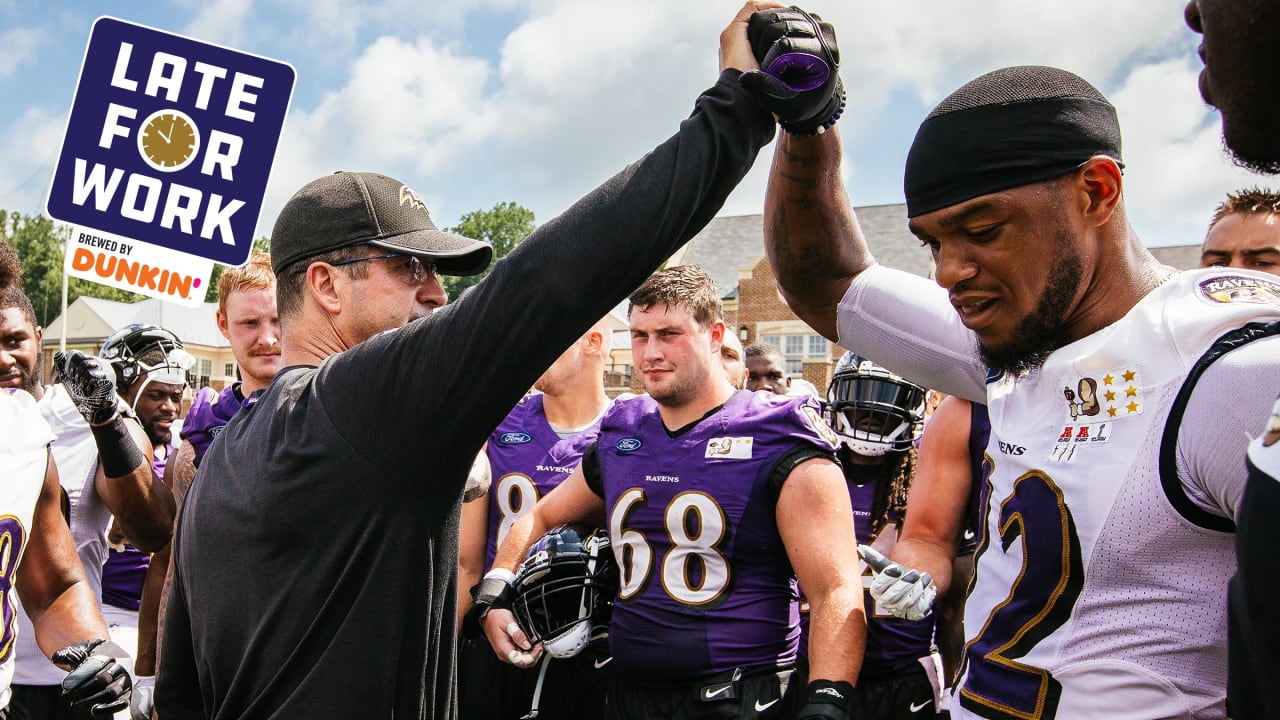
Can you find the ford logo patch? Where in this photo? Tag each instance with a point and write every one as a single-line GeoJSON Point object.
{"type": "Point", "coordinates": [514, 438]}
{"type": "Point", "coordinates": [627, 445]}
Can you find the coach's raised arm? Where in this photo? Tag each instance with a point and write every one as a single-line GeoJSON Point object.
{"type": "Point", "coordinates": [315, 562]}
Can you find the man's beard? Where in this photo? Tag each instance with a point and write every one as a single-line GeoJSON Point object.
{"type": "Point", "coordinates": [1040, 333]}
{"type": "Point", "coordinates": [158, 437]}
{"type": "Point", "coordinates": [1249, 137]}
{"type": "Point", "coordinates": [1253, 163]}
{"type": "Point", "coordinates": [31, 383]}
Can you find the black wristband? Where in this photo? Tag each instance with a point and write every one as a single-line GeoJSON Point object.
{"type": "Point", "coordinates": [826, 699]}
{"type": "Point", "coordinates": [117, 451]}
{"type": "Point", "coordinates": [492, 592]}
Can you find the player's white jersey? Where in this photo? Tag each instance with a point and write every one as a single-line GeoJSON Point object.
{"type": "Point", "coordinates": [76, 453]}
{"type": "Point", "coordinates": [1093, 596]}
{"type": "Point", "coordinates": [24, 441]}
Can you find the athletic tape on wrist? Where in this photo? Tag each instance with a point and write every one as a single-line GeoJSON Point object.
{"type": "Point", "coordinates": [493, 592]}
{"type": "Point", "coordinates": [117, 451]}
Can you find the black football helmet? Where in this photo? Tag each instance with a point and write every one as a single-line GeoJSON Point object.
{"type": "Point", "coordinates": [873, 410]}
{"type": "Point", "coordinates": [565, 588]}
{"type": "Point", "coordinates": [125, 348]}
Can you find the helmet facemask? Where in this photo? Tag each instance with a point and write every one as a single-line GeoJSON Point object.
{"type": "Point", "coordinates": [874, 411]}
{"type": "Point", "coordinates": [126, 348]}
{"type": "Point", "coordinates": [565, 589]}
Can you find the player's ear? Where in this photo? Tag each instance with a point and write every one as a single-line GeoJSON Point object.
{"type": "Point", "coordinates": [322, 283]}
{"type": "Point", "coordinates": [717, 335]}
{"type": "Point", "coordinates": [1099, 182]}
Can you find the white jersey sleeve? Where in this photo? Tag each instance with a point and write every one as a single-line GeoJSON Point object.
{"type": "Point", "coordinates": [1220, 419]}
{"type": "Point", "coordinates": [907, 324]}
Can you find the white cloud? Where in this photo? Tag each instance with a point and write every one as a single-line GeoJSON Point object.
{"type": "Point", "coordinates": [221, 21]}
{"type": "Point", "coordinates": [1177, 168]}
{"type": "Point", "coordinates": [28, 150]}
{"type": "Point", "coordinates": [547, 98]}
{"type": "Point", "coordinates": [20, 45]}
{"type": "Point", "coordinates": [406, 109]}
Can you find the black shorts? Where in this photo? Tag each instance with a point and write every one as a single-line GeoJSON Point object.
{"type": "Point", "coordinates": [757, 694]}
{"type": "Point", "coordinates": [39, 702]}
{"type": "Point", "coordinates": [489, 689]}
{"type": "Point", "coordinates": [903, 695]}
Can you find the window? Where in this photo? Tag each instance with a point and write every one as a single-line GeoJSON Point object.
{"type": "Point", "coordinates": [206, 369]}
{"type": "Point", "coordinates": [798, 348]}
{"type": "Point", "coordinates": [818, 347]}
{"type": "Point", "coordinates": [229, 370]}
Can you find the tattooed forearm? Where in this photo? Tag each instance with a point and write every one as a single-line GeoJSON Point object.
{"type": "Point", "coordinates": [811, 235]}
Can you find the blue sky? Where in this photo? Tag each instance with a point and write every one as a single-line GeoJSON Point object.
{"type": "Point", "coordinates": [476, 102]}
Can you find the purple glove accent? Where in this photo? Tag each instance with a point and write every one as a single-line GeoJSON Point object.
{"type": "Point", "coordinates": [799, 71]}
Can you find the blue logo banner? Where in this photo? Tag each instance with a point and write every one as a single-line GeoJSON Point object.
{"type": "Point", "coordinates": [170, 141]}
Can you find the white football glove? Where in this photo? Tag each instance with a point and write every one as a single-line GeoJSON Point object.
{"type": "Point", "coordinates": [907, 594]}
{"type": "Point", "coordinates": [143, 699]}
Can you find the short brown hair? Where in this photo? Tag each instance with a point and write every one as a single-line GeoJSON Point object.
{"type": "Point", "coordinates": [253, 275]}
{"type": "Point", "coordinates": [290, 279]}
{"type": "Point", "coordinates": [1252, 200]}
{"type": "Point", "coordinates": [685, 286]}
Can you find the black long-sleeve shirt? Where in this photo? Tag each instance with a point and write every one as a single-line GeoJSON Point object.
{"type": "Point", "coordinates": [315, 560]}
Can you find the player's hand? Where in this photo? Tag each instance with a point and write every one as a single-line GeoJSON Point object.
{"type": "Point", "coordinates": [907, 594]}
{"type": "Point", "coordinates": [90, 383]}
{"type": "Point", "coordinates": [508, 641]}
{"type": "Point", "coordinates": [143, 700]}
{"type": "Point", "coordinates": [97, 684]}
{"type": "Point", "coordinates": [826, 700]}
{"type": "Point", "coordinates": [799, 61]}
{"type": "Point", "coordinates": [735, 47]}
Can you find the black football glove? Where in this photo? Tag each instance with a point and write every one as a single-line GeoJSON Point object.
{"type": "Point", "coordinates": [827, 700]}
{"type": "Point", "coordinates": [97, 684]}
{"type": "Point", "coordinates": [90, 383]}
{"type": "Point", "coordinates": [799, 61]}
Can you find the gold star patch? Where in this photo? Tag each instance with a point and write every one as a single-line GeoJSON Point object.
{"type": "Point", "coordinates": [1124, 396]}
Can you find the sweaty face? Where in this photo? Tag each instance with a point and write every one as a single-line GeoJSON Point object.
{"type": "Point", "coordinates": [1010, 263]}
{"type": "Point", "coordinates": [731, 357]}
{"type": "Point", "coordinates": [157, 405]}
{"type": "Point", "coordinates": [1249, 241]}
{"type": "Point", "coordinates": [252, 326]}
{"type": "Point", "coordinates": [673, 352]}
{"type": "Point", "coordinates": [19, 352]}
{"type": "Point", "coordinates": [1241, 77]}
{"type": "Point", "coordinates": [767, 372]}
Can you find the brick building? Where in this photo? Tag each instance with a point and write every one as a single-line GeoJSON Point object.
{"type": "Point", "coordinates": [731, 251]}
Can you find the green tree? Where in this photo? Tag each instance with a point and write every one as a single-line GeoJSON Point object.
{"type": "Point", "coordinates": [503, 227]}
{"type": "Point", "coordinates": [40, 244]}
{"type": "Point", "coordinates": [262, 244]}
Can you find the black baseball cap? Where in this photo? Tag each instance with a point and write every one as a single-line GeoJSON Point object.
{"type": "Point", "coordinates": [355, 208]}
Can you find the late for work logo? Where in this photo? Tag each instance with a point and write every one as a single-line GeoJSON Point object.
{"type": "Point", "coordinates": [165, 161]}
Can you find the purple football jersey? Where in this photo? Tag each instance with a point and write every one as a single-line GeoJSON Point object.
{"type": "Point", "coordinates": [124, 571]}
{"type": "Point", "coordinates": [892, 644]}
{"type": "Point", "coordinates": [204, 422]}
{"type": "Point", "coordinates": [704, 576]}
{"type": "Point", "coordinates": [527, 459]}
